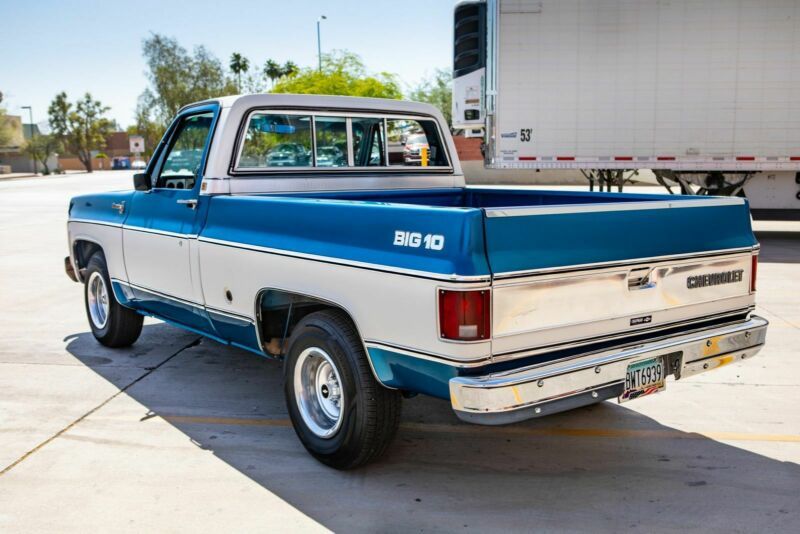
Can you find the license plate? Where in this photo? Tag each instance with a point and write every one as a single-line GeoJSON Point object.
{"type": "Point", "coordinates": [644, 377]}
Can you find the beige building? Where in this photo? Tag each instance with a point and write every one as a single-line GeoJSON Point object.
{"type": "Point", "coordinates": [12, 157]}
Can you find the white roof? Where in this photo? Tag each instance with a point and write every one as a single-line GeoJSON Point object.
{"type": "Point", "coordinates": [236, 102]}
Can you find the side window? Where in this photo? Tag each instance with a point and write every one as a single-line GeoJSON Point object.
{"type": "Point", "coordinates": [182, 164]}
{"type": "Point", "coordinates": [414, 143]}
{"type": "Point", "coordinates": [277, 140]}
{"type": "Point", "coordinates": [331, 141]}
{"type": "Point", "coordinates": [368, 142]}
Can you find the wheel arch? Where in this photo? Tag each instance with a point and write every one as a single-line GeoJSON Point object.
{"type": "Point", "coordinates": [83, 249]}
{"type": "Point", "coordinates": [278, 311]}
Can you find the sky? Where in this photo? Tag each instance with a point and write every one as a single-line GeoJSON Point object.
{"type": "Point", "coordinates": [89, 45]}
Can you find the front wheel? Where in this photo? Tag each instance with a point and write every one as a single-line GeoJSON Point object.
{"type": "Point", "coordinates": [341, 414]}
{"type": "Point", "coordinates": [112, 324]}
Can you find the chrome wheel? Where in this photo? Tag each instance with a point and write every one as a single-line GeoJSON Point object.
{"type": "Point", "coordinates": [318, 392]}
{"type": "Point", "coordinates": [97, 298]}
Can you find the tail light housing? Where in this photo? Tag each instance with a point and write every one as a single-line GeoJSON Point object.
{"type": "Point", "coordinates": [753, 273]}
{"type": "Point", "coordinates": [465, 315]}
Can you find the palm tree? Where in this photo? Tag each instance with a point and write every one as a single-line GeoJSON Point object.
{"type": "Point", "coordinates": [289, 69]}
{"type": "Point", "coordinates": [272, 71]}
{"type": "Point", "coordinates": [238, 65]}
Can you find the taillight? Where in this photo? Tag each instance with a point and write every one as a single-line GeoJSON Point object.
{"type": "Point", "coordinates": [464, 315]}
{"type": "Point", "coordinates": [753, 272]}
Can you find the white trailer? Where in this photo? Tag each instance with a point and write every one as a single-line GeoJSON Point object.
{"type": "Point", "coordinates": [705, 93]}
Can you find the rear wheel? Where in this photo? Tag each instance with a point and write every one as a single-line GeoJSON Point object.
{"type": "Point", "coordinates": [341, 414]}
{"type": "Point", "coordinates": [112, 324]}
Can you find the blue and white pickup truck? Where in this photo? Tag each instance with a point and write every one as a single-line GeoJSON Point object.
{"type": "Point", "coordinates": [337, 234]}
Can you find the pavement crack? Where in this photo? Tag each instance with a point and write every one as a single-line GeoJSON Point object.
{"type": "Point", "coordinates": [148, 372]}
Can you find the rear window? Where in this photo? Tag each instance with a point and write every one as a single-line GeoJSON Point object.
{"type": "Point", "coordinates": [276, 140]}
{"type": "Point", "coordinates": [291, 140]}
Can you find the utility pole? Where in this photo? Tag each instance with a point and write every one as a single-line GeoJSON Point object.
{"type": "Point", "coordinates": [319, 42]}
{"type": "Point", "coordinates": [33, 134]}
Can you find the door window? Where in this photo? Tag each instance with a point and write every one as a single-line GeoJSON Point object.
{"type": "Point", "coordinates": [182, 164]}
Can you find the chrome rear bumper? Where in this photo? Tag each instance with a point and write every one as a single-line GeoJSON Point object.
{"type": "Point", "coordinates": [553, 387]}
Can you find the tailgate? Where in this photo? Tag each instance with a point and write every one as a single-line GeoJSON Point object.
{"type": "Point", "coordinates": [522, 239]}
{"type": "Point", "coordinates": [575, 273]}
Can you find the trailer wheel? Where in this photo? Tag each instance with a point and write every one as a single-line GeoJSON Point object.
{"type": "Point", "coordinates": [112, 324]}
{"type": "Point", "coordinates": [341, 414]}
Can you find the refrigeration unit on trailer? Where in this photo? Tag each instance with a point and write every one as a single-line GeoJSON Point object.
{"type": "Point", "coordinates": [706, 94]}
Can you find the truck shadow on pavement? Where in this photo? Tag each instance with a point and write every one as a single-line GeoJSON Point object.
{"type": "Point", "coordinates": [779, 247]}
{"type": "Point", "coordinates": [601, 468]}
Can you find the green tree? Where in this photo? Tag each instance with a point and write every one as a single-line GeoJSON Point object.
{"type": "Point", "coordinates": [81, 128]}
{"type": "Point", "coordinates": [150, 129]}
{"type": "Point", "coordinates": [436, 90]}
{"type": "Point", "coordinates": [343, 73]}
{"type": "Point", "coordinates": [5, 130]}
{"type": "Point", "coordinates": [41, 147]}
{"type": "Point", "coordinates": [178, 78]}
{"type": "Point", "coordinates": [272, 70]}
{"type": "Point", "coordinates": [289, 69]}
{"type": "Point", "coordinates": [238, 65]}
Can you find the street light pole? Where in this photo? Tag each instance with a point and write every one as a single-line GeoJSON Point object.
{"type": "Point", "coordinates": [33, 153]}
{"type": "Point", "coordinates": [319, 42]}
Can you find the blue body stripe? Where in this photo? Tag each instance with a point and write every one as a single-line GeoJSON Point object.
{"type": "Point", "coordinates": [408, 373]}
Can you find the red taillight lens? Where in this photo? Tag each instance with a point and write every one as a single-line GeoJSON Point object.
{"type": "Point", "coordinates": [753, 272]}
{"type": "Point", "coordinates": [464, 315]}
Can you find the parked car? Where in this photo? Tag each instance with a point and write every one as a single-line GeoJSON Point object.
{"type": "Point", "coordinates": [412, 151]}
{"type": "Point", "coordinates": [388, 281]}
{"type": "Point", "coordinates": [288, 155]}
{"type": "Point", "coordinates": [138, 164]}
{"type": "Point", "coordinates": [120, 163]}
{"type": "Point", "coordinates": [330, 156]}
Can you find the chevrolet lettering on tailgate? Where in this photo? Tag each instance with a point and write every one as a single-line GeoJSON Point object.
{"type": "Point", "coordinates": [715, 279]}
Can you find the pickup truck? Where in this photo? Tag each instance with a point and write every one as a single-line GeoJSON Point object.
{"type": "Point", "coordinates": [297, 227]}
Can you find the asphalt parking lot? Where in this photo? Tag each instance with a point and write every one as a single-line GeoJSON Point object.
{"type": "Point", "coordinates": [181, 433]}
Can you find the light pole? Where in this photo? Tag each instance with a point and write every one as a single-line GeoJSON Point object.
{"type": "Point", "coordinates": [319, 43]}
{"type": "Point", "coordinates": [33, 153]}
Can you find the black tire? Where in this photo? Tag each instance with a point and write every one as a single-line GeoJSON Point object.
{"type": "Point", "coordinates": [370, 414]}
{"type": "Point", "coordinates": [122, 325]}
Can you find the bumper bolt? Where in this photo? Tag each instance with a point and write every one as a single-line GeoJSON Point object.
{"type": "Point", "coordinates": [708, 343]}
{"type": "Point", "coordinates": [597, 370]}
{"type": "Point", "coordinates": [747, 334]}
{"type": "Point", "coordinates": [540, 383]}
{"type": "Point", "coordinates": [537, 410]}
{"type": "Point", "coordinates": [705, 366]}
{"type": "Point", "coordinates": [594, 394]}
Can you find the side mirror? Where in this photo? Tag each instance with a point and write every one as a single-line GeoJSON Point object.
{"type": "Point", "coordinates": [141, 181]}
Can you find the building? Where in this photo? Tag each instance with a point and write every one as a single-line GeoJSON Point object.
{"type": "Point", "coordinates": [117, 145]}
{"type": "Point", "coordinates": [12, 157]}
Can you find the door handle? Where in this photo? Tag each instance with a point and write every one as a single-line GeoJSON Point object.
{"type": "Point", "coordinates": [119, 206]}
{"type": "Point", "coordinates": [190, 203]}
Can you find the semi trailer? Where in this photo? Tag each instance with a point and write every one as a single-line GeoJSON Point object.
{"type": "Point", "coordinates": [705, 94]}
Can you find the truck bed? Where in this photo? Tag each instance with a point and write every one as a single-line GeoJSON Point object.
{"type": "Point", "coordinates": [534, 229]}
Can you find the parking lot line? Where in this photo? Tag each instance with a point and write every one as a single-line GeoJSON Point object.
{"type": "Point", "coordinates": [516, 431]}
